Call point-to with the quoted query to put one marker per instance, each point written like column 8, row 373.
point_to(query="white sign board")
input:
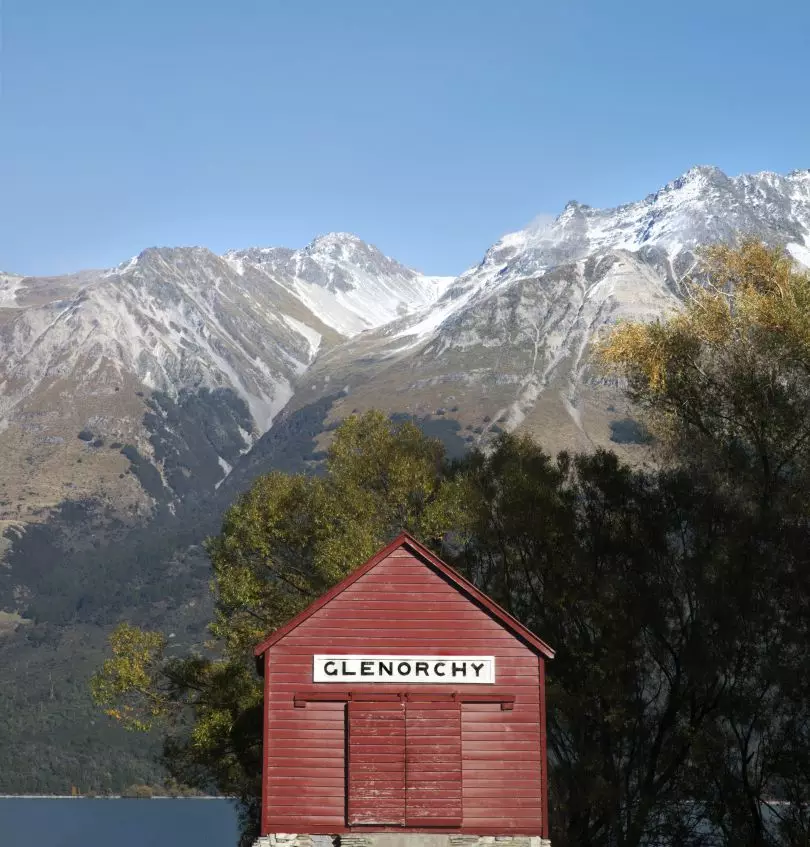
column 454, row 670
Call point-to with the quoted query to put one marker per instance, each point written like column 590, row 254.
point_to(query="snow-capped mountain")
column 179, row 354
column 180, row 359
column 508, row 341
column 701, row 207
column 350, row 285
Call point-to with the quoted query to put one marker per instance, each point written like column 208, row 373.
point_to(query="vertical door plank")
column 433, row 764
column 376, row 790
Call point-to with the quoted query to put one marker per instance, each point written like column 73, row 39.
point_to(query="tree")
column 726, row 385
column 625, row 573
column 726, row 382
column 282, row 544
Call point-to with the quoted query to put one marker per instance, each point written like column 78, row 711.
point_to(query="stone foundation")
column 395, row 839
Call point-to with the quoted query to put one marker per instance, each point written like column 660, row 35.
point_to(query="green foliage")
column 283, row 543
column 595, row 557
column 140, row 792
column 128, row 683
column 290, row 537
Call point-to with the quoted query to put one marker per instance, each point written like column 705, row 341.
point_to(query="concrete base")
column 395, row 839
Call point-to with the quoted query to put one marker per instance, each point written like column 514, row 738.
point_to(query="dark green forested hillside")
column 81, row 572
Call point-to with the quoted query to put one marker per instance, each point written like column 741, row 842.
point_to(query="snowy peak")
column 652, row 240
column 509, row 341
column 347, row 247
column 703, row 205
column 350, row 285
column 336, row 261
column 698, row 175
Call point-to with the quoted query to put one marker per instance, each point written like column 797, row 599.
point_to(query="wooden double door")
column 404, row 763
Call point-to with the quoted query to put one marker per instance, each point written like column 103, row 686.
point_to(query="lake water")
column 53, row 822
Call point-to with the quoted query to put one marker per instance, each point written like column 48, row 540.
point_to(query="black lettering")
column 387, row 668
column 436, row 668
column 460, row 668
column 421, row 667
column 477, row 668
column 366, row 669
column 327, row 671
column 346, row 671
column 404, row 668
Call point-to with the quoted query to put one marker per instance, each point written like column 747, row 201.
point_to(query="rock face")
column 350, row 285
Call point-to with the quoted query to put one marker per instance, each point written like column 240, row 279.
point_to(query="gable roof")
column 454, row 578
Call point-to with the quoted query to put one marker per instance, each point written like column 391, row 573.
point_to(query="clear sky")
column 427, row 127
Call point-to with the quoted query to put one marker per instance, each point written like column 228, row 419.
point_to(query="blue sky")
column 428, row 128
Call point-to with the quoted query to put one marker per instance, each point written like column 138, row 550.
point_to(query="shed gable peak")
column 432, row 563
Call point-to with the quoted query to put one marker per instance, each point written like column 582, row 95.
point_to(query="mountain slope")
column 179, row 356
column 350, row 285
column 126, row 397
column 507, row 343
column 149, row 382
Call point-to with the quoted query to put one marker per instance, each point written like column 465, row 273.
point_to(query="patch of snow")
column 348, row 284
column 247, row 437
column 800, row 253
column 237, row 264
column 328, row 308
column 226, row 469
column 123, row 268
column 313, row 337
column 9, row 286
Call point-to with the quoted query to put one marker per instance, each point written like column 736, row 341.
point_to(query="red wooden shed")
column 404, row 700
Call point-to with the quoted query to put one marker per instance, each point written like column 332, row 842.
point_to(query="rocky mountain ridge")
column 174, row 339
column 507, row 343
column 186, row 357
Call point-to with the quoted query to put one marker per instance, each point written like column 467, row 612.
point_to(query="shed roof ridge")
column 459, row 582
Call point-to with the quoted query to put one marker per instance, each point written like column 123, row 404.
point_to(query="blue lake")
column 116, row 823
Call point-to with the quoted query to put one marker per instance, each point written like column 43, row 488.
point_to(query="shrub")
column 143, row 792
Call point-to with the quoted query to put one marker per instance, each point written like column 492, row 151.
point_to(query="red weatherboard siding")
column 402, row 606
